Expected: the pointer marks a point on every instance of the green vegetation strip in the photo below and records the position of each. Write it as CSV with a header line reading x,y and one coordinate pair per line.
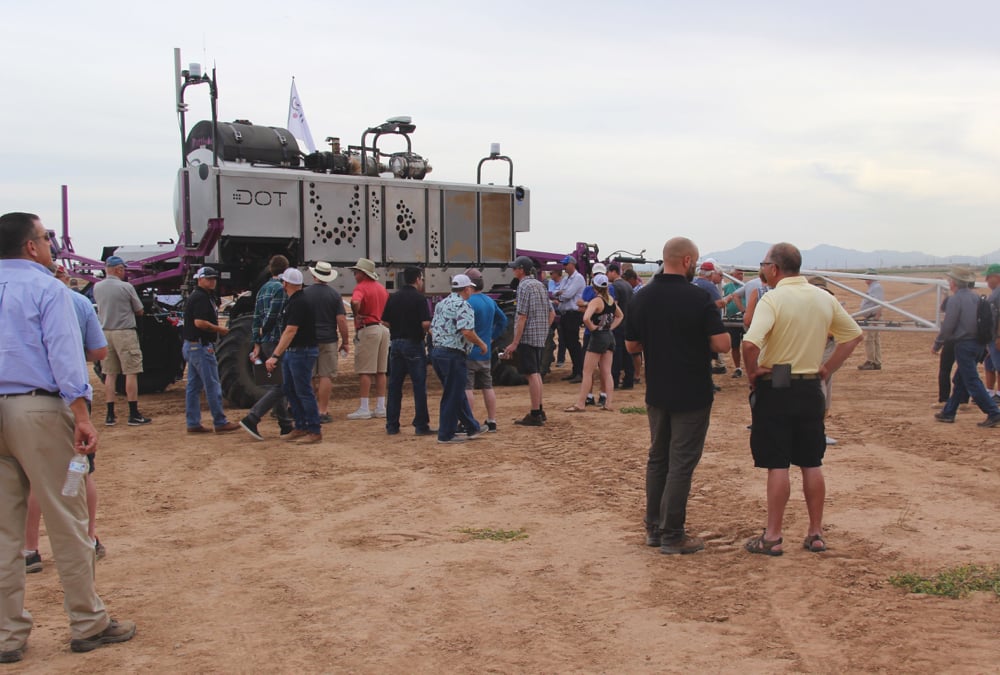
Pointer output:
x,y
953,583
494,535
634,410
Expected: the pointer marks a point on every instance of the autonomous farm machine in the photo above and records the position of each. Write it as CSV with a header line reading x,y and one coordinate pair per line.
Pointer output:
x,y
246,192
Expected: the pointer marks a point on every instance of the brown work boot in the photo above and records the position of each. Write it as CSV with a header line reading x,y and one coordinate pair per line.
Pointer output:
x,y
309,439
228,426
294,434
685,544
115,632
197,430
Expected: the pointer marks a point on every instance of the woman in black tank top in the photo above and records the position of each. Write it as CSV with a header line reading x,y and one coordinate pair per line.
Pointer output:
x,y
601,317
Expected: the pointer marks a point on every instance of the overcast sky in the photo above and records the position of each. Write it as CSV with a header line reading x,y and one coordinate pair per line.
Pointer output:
x,y
859,124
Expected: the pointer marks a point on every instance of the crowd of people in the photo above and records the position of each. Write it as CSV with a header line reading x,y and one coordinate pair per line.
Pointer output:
x,y
785,334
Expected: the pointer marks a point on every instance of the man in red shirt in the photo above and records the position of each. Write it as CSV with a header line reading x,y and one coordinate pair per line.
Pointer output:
x,y
371,355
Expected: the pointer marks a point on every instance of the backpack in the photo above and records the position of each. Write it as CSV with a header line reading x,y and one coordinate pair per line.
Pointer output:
x,y
986,321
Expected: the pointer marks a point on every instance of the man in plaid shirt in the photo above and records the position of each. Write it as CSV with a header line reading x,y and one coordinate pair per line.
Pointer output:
x,y
534,315
266,334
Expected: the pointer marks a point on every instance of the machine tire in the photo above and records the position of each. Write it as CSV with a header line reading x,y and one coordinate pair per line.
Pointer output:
x,y
235,369
162,360
505,373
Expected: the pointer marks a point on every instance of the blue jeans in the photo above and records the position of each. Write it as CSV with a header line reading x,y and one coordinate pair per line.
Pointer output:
x,y
407,357
677,440
202,373
449,364
967,380
297,366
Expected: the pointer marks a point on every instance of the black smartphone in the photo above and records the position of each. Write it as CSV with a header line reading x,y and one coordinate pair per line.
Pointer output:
x,y
781,375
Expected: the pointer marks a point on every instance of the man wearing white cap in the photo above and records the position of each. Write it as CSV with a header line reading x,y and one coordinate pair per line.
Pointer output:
x,y
371,357
331,319
201,330
297,351
453,329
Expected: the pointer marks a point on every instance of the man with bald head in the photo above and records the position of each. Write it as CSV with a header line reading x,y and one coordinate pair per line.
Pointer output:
x,y
677,327
783,357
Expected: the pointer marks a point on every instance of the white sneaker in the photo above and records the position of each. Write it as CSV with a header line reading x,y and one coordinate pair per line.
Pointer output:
x,y
831,441
379,412
360,414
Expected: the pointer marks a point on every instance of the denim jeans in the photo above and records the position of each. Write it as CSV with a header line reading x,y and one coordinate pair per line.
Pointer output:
x,y
202,373
273,397
677,440
967,380
297,370
449,364
407,357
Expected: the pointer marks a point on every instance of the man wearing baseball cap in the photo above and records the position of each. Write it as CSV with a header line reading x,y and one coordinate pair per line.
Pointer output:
x,y
534,315
453,330
297,350
200,331
117,306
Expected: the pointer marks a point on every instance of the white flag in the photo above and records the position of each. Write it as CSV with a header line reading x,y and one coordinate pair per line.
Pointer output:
x,y
297,123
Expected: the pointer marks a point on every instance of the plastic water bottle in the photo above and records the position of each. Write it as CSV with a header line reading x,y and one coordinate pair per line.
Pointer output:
x,y
74,476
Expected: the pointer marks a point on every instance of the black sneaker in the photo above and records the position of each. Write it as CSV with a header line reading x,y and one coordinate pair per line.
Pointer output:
x,y
115,632
99,548
110,420
530,420
491,427
590,400
947,419
653,536
545,418
602,400
425,432
250,427
33,562
138,420
13,655
991,421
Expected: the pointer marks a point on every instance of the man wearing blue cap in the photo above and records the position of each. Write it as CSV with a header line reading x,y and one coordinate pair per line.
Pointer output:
x,y
117,306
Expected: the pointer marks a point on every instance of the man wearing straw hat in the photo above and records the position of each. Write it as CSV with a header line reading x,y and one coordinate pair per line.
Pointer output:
x,y
371,357
331,319
959,328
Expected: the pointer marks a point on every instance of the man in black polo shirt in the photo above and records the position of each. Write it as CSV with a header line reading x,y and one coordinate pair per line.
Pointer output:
x,y
408,317
677,327
298,351
201,330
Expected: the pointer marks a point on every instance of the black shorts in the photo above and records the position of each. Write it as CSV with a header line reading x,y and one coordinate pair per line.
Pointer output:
x,y
736,337
601,341
529,359
788,425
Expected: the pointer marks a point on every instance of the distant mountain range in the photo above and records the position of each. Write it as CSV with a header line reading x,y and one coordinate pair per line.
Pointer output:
x,y
825,257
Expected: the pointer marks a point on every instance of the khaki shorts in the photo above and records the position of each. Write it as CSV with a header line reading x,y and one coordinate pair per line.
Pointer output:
x,y
478,374
124,355
371,352
326,362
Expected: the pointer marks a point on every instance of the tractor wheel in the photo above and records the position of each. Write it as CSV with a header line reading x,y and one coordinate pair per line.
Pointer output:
x,y
162,360
235,369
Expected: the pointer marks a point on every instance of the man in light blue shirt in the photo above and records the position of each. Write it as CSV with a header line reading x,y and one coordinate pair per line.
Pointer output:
x,y
570,316
44,389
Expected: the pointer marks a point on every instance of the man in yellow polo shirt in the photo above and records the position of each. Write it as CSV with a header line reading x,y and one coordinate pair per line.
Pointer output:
x,y
783,357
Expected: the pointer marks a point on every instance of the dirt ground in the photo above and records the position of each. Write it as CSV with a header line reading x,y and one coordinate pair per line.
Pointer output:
x,y
240,556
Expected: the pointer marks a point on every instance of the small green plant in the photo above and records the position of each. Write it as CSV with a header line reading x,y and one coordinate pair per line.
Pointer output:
x,y
634,410
953,583
494,535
